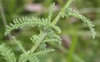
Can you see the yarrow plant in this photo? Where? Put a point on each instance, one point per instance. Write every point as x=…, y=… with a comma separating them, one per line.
x=46, y=33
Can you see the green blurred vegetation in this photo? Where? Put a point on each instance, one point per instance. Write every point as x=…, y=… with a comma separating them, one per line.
x=83, y=48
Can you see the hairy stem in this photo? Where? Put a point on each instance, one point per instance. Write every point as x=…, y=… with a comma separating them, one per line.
x=63, y=9
x=41, y=37
x=38, y=42
x=53, y=23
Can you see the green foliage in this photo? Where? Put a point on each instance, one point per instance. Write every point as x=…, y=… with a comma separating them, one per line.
x=34, y=59
x=43, y=51
x=45, y=26
x=19, y=44
x=51, y=10
x=76, y=14
x=7, y=54
x=26, y=21
x=46, y=34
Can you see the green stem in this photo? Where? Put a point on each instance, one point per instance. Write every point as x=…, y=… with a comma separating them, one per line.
x=38, y=42
x=53, y=23
x=4, y=20
x=62, y=11
x=72, y=48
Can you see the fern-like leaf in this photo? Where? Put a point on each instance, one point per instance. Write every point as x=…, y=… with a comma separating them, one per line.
x=19, y=43
x=26, y=21
x=42, y=46
x=51, y=36
x=25, y=56
x=56, y=28
x=51, y=40
x=51, y=10
x=34, y=59
x=34, y=38
x=76, y=14
x=6, y=52
x=43, y=52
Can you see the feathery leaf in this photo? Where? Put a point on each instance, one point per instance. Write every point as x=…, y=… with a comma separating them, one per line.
x=6, y=52
x=19, y=43
x=51, y=10
x=76, y=14
x=26, y=21
x=43, y=51
x=34, y=59
x=56, y=28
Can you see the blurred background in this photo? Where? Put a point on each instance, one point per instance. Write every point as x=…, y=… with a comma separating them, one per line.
x=77, y=43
